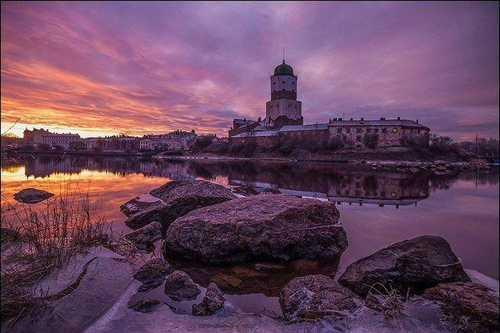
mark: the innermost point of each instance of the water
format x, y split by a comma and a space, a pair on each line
377, 208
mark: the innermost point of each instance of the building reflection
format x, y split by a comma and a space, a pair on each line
335, 183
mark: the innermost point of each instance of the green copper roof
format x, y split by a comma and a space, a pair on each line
283, 69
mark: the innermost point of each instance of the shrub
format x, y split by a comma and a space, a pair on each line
335, 143
201, 143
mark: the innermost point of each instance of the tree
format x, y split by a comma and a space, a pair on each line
77, 146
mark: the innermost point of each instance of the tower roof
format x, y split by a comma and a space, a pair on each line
283, 69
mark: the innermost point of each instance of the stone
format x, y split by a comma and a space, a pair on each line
101, 285
32, 195
181, 197
152, 273
414, 264
315, 297
179, 286
145, 216
144, 305
212, 302
473, 301
269, 227
145, 237
138, 204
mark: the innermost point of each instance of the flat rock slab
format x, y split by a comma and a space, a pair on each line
263, 227
473, 301
105, 281
32, 195
414, 264
315, 297
177, 199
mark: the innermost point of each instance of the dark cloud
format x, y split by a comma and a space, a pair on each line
152, 67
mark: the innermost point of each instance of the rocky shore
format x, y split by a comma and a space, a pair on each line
195, 245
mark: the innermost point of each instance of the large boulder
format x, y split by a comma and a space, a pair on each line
315, 297
414, 265
177, 199
181, 197
211, 303
467, 303
32, 195
179, 286
268, 227
145, 237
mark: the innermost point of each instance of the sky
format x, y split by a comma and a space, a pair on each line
103, 68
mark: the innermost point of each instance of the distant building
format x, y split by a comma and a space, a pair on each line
176, 140
42, 136
284, 121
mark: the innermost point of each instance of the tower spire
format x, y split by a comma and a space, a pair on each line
283, 55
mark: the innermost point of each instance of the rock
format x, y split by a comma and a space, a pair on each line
145, 237
470, 300
263, 227
32, 195
179, 286
245, 190
181, 197
314, 297
145, 217
100, 286
414, 264
211, 303
138, 204
143, 305
152, 273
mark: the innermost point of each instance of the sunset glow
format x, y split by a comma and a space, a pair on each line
136, 68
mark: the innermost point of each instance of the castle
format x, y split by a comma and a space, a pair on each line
284, 122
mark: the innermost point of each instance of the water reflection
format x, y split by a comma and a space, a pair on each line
463, 208
253, 278
336, 183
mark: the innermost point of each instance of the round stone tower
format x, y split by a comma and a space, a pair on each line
283, 108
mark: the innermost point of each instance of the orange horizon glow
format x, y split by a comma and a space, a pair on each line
159, 67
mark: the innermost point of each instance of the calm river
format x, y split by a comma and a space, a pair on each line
377, 208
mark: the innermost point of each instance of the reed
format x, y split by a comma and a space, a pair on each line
48, 235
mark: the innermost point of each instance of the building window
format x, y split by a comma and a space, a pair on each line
368, 130
359, 130
339, 130
384, 130
358, 138
375, 130
348, 130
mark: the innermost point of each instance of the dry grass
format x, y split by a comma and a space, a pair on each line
388, 300
49, 234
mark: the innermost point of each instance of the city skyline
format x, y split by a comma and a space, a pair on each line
104, 68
